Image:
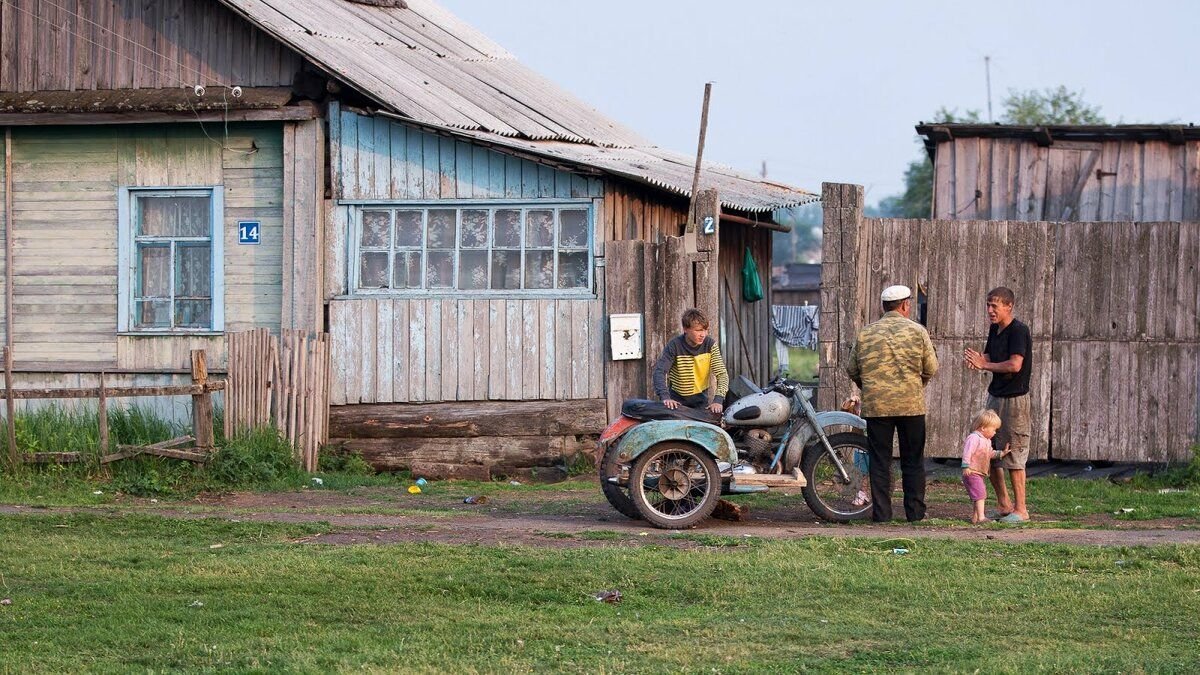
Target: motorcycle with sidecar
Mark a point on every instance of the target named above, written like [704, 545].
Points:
[670, 467]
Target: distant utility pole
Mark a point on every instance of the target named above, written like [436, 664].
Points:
[763, 174]
[987, 70]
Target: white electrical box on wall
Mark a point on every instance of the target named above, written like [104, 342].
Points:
[625, 332]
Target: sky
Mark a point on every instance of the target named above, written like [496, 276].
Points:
[830, 91]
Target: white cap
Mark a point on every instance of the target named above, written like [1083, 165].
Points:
[894, 293]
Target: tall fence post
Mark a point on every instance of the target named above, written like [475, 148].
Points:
[202, 406]
[10, 407]
[840, 320]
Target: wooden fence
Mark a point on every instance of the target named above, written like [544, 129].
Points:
[285, 379]
[1112, 307]
[202, 438]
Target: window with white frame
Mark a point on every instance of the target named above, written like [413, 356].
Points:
[171, 260]
[473, 248]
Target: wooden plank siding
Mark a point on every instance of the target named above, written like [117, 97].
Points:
[52, 45]
[464, 349]
[380, 158]
[745, 327]
[66, 181]
[1068, 181]
[1112, 307]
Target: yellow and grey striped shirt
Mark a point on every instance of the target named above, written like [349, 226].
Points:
[687, 369]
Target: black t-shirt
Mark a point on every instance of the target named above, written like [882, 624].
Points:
[1014, 339]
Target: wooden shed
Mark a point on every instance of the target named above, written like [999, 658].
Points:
[1121, 173]
[382, 171]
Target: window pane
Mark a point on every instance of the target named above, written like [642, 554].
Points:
[408, 270]
[373, 270]
[376, 229]
[154, 271]
[193, 270]
[473, 270]
[573, 269]
[508, 229]
[408, 228]
[539, 229]
[441, 228]
[539, 269]
[572, 229]
[506, 270]
[174, 216]
[193, 313]
[474, 229]
[153, 314]
[440, 273]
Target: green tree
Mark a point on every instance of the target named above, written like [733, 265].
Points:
[1030, 107]
[803, 243]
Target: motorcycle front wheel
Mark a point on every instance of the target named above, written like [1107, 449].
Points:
[675, 485]
[617, 496]
[829, 495]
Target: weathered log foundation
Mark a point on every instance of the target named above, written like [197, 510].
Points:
[477, 440]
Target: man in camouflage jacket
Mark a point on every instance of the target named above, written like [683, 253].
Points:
[891, 362]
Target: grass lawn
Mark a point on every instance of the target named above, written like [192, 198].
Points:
[143, 593]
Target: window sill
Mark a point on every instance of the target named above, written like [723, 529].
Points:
[466, 296]
[172, 333]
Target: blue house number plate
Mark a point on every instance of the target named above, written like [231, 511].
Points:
[248, 232]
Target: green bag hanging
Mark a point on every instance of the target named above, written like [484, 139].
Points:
[752, 290]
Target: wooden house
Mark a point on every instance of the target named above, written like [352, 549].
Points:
[181, 169]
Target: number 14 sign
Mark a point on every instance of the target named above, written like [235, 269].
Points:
[248, 231]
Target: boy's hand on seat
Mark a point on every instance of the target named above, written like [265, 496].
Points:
[670, 403]
[715, 408]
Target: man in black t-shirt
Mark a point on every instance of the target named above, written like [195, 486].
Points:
[1008, 356]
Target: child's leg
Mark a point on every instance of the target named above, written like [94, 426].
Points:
[979, 516]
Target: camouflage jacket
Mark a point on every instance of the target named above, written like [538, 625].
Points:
[891, 362]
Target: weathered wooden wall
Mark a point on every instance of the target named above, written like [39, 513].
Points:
[60, 45]
[1016, 179]
[1112, 307]
[634, 212]
[460, 349]
[1126, 340]
[65, 237]
[745, 326]
[380, 158]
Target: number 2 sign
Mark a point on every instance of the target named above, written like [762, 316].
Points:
[248, 231]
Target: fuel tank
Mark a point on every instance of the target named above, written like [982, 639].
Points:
[765, 409]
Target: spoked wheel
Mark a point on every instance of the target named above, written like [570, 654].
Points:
[675, 485]
[828, 494]
[617, 494]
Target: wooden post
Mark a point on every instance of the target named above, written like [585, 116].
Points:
[102, 412]
[202, 407]
[11, 407]
[840, 313]
[691, 224]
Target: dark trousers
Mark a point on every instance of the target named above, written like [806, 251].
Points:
[880, 431]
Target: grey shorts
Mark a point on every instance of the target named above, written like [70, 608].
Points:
[1015, 427]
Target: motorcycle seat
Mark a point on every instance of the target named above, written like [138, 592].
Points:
[647, 410]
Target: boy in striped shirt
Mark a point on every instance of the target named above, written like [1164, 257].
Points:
[682, 371]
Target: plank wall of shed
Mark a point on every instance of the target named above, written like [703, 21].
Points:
[56, 45]
[1016, 179]
[65, 186]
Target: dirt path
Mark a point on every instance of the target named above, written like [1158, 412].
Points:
[563, 520]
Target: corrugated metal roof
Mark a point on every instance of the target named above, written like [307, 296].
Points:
[427, 65]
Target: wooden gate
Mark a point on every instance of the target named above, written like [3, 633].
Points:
[282, 380]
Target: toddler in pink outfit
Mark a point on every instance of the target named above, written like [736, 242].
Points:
[977, 458]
